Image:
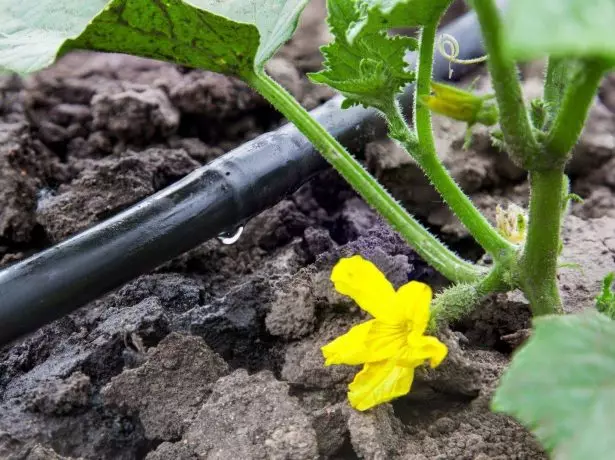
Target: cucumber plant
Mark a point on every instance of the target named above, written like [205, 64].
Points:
[365, 63]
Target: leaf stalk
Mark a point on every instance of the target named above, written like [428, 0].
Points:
[427, 245]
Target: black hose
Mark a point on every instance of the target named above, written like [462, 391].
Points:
[213, 199]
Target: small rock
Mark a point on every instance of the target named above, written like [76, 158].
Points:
[444, 425]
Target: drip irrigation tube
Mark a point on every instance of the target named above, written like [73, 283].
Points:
[212, 200]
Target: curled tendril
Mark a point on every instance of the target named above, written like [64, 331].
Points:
[448, 47]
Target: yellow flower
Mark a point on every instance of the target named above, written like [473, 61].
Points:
[392, 344]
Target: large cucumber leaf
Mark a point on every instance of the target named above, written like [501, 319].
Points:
[563, 28]
[32, 31]
[561, 385]
[232, 36]
[388, 14]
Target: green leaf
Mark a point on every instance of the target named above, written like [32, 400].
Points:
[387, 14]
[32, 31]
[233, 36]
[371, 70]
[561, 385]
[576, 28]
[605, 302]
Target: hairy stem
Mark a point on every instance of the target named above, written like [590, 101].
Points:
[461, 299]
[573, 111]
[556, 80]
[538, 263]
[427, 245]
[482, 231]
[425, 154]
[514, 120]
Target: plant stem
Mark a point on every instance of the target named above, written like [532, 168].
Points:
[427, 245]
[514, 121]
[482, 231]
[571, 117]
[538, 263]
[426, 156]
[556, 80]
[422, 114]
[459, 300]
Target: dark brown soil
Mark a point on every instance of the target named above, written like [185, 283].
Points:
[216, 354]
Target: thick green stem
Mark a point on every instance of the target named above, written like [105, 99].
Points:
[573, 111]
[514, 120]
[425, 154]
[538, 264]
[427, 245]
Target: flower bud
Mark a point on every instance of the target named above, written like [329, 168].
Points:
[461, 105]
[511, 223]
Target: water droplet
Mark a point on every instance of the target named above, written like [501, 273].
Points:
[231, 236]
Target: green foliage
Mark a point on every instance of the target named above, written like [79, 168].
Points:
[561, 28]
[234, 37]
[378, 15]
[368, 70]
[32, 31]
[605, 302]
[561, 385]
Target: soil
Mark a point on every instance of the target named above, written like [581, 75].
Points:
[216, 354]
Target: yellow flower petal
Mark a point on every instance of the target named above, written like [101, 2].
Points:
[367, 286]
[385, 341]
[348, 348]
[414, 299]
[421, 349]
[378, 383]
[367, 342]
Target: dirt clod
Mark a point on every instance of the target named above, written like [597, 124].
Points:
[248, 417]
[60, 397]
[167, 391]
[109, 186]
